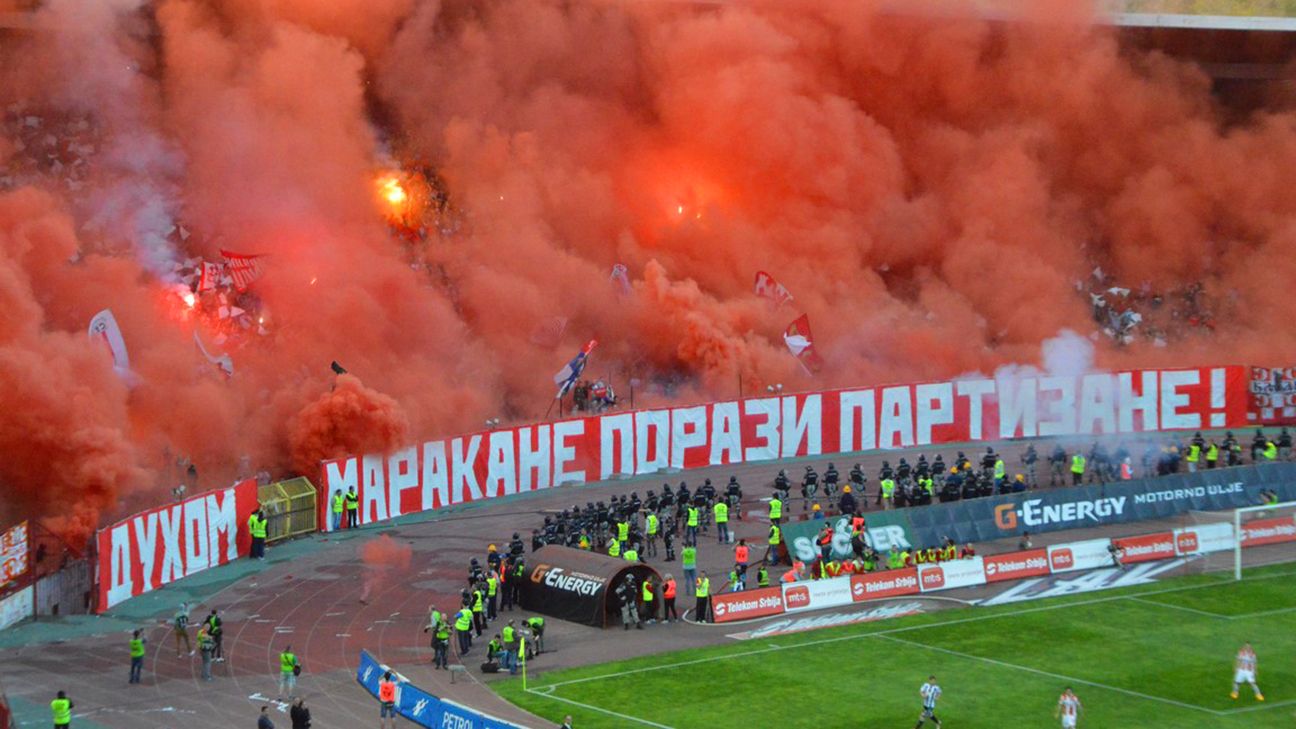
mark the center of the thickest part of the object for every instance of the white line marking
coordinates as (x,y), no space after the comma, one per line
(1172,606)
(924,626)
(595,708)
(1061,677)
(1262,614)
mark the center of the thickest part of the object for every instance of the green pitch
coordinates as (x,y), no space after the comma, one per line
(1157,655)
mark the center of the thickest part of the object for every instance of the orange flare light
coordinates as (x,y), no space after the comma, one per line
(392,191)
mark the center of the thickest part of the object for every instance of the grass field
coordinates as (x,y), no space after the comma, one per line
(1158,655)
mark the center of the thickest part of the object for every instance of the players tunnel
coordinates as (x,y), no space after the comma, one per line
(572,584)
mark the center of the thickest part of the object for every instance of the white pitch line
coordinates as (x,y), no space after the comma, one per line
(1194,611)
(1262,614)
(911,628)
(1059,676)
(549,695)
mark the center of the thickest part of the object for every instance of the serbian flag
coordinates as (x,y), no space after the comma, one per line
(767,288)
(800,343)
(243,268)
(571,372)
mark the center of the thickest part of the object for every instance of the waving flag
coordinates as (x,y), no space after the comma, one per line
(223,363)
(571,372)
(767,288)
(243,268)
(103,328)
(211,276)
(801,344)
(620,279)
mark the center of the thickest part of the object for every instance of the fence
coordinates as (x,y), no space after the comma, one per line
(44,575)
(289,507)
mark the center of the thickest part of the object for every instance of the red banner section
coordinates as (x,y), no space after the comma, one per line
(1268,531)
(1146,548)
(892,583)
(161,545)
(757,603)
(440,473)
(1016,565)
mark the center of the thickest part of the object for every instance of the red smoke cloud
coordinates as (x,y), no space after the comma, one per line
(382,558)
(929,189)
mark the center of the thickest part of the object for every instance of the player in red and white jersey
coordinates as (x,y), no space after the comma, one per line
(1068,707)
(1244,671)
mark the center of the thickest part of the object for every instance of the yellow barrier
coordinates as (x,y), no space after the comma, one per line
(289,508)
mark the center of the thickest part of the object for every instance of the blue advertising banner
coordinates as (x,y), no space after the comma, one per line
(421,707)
(1046,510)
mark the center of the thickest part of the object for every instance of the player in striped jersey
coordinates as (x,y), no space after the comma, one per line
(1068,708)
(1244,671)
(930,692)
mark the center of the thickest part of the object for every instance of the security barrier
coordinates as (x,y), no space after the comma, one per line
(289,508)
(421,707)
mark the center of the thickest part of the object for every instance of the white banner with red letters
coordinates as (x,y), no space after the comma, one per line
(1203,539)
(13,552)
(155,547)
(816,594)
(1087,555)
(951,574)
(439,473)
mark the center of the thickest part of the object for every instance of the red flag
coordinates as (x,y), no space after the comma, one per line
(766,287)
(243,268)
(800,343)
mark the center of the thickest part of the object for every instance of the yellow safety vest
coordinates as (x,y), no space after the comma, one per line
(1194,452)
(774,536)
(337,504)
(692,516)
(1077,463)
(614,549)
(703,586)
(776,508)
(287,661)
(721,513)
(1270,451)
(652,524)
(257,526)
(647,591)
(62,709)
(463,621)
